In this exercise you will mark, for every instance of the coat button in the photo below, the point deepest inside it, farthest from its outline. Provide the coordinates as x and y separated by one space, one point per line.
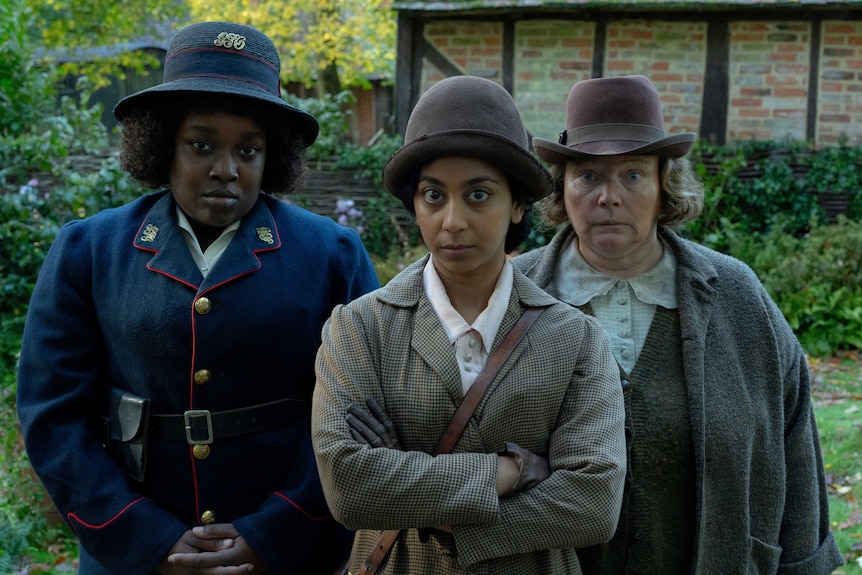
203 376
208 517
203 305
626 384
201 451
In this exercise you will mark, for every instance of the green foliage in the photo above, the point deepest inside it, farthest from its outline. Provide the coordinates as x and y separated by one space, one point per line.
355 39
331 112
67 30
390 265
380 229
540 233
755 186
815 280
763 204
837 170
30 217
24 505
368 161
25 93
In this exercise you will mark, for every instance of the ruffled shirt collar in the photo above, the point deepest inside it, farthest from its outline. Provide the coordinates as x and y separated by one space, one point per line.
578 282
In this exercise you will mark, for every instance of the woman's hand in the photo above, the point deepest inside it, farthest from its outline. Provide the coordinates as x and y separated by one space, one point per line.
216 549
520 469
371 426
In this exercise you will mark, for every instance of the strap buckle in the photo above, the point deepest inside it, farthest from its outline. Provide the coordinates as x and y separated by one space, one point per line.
198 422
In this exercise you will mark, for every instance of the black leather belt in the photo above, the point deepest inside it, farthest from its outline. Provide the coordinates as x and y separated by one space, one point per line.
200 426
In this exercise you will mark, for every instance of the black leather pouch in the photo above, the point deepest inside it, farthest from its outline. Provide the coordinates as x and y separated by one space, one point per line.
127 421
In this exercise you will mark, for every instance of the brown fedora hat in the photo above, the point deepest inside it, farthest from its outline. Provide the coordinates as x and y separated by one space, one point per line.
467 116
611 117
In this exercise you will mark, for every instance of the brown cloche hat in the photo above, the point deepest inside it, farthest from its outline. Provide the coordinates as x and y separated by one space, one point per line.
610 117
223 58
469 116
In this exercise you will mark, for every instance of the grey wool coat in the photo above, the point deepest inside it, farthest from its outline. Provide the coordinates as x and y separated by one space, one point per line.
760 487
558 395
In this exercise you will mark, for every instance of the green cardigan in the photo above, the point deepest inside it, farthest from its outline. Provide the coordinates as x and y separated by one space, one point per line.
760 488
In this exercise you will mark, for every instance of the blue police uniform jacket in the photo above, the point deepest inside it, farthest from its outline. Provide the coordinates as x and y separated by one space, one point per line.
120 303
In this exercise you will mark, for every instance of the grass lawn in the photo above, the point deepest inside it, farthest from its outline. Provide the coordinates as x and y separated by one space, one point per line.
837 396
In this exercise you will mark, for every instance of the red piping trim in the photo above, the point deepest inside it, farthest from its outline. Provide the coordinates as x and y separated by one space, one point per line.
303 511
109 521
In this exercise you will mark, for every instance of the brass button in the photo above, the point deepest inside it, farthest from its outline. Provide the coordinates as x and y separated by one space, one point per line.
201 451
203 305
207 517
203 376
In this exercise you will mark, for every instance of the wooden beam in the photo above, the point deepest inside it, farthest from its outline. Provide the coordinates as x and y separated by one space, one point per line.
813 74
713 111
407 62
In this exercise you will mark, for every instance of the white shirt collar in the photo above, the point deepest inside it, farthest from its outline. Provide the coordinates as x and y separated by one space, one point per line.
206 260
488 322
578 282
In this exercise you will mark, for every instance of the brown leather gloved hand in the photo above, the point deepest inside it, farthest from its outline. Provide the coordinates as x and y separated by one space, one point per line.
533 468
371 426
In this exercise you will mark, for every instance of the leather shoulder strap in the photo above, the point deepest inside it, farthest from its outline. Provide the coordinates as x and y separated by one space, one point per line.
492 367
459 421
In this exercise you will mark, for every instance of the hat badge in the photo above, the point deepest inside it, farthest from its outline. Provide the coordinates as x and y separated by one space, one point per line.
230 40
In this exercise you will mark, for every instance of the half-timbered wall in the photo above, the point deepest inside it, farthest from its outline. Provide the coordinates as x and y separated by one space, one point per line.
770 75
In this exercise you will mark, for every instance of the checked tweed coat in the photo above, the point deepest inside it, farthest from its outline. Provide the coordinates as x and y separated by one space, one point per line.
558 395
760 489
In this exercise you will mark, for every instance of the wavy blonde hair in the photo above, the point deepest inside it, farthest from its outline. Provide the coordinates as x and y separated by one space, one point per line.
681 194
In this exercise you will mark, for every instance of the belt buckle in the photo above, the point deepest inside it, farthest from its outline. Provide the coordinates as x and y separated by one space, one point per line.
194 414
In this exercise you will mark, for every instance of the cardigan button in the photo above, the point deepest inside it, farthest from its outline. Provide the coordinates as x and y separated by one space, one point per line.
203 376
203 305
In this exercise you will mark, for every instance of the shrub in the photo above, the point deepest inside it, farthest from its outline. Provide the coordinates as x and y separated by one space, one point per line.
815 280
757 185
30 218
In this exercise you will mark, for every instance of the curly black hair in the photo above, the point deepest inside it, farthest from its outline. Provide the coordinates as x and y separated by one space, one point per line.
147 145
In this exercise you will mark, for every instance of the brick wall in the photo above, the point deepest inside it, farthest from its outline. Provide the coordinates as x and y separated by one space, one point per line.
769 65
550 57
840 82
474 47
672 55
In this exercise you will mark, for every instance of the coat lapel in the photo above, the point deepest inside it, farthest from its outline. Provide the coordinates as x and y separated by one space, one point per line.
524 294
159 233
257 233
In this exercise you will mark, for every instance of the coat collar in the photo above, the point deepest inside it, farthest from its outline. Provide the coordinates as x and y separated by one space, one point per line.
429 339
693 267
160 233
408 290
